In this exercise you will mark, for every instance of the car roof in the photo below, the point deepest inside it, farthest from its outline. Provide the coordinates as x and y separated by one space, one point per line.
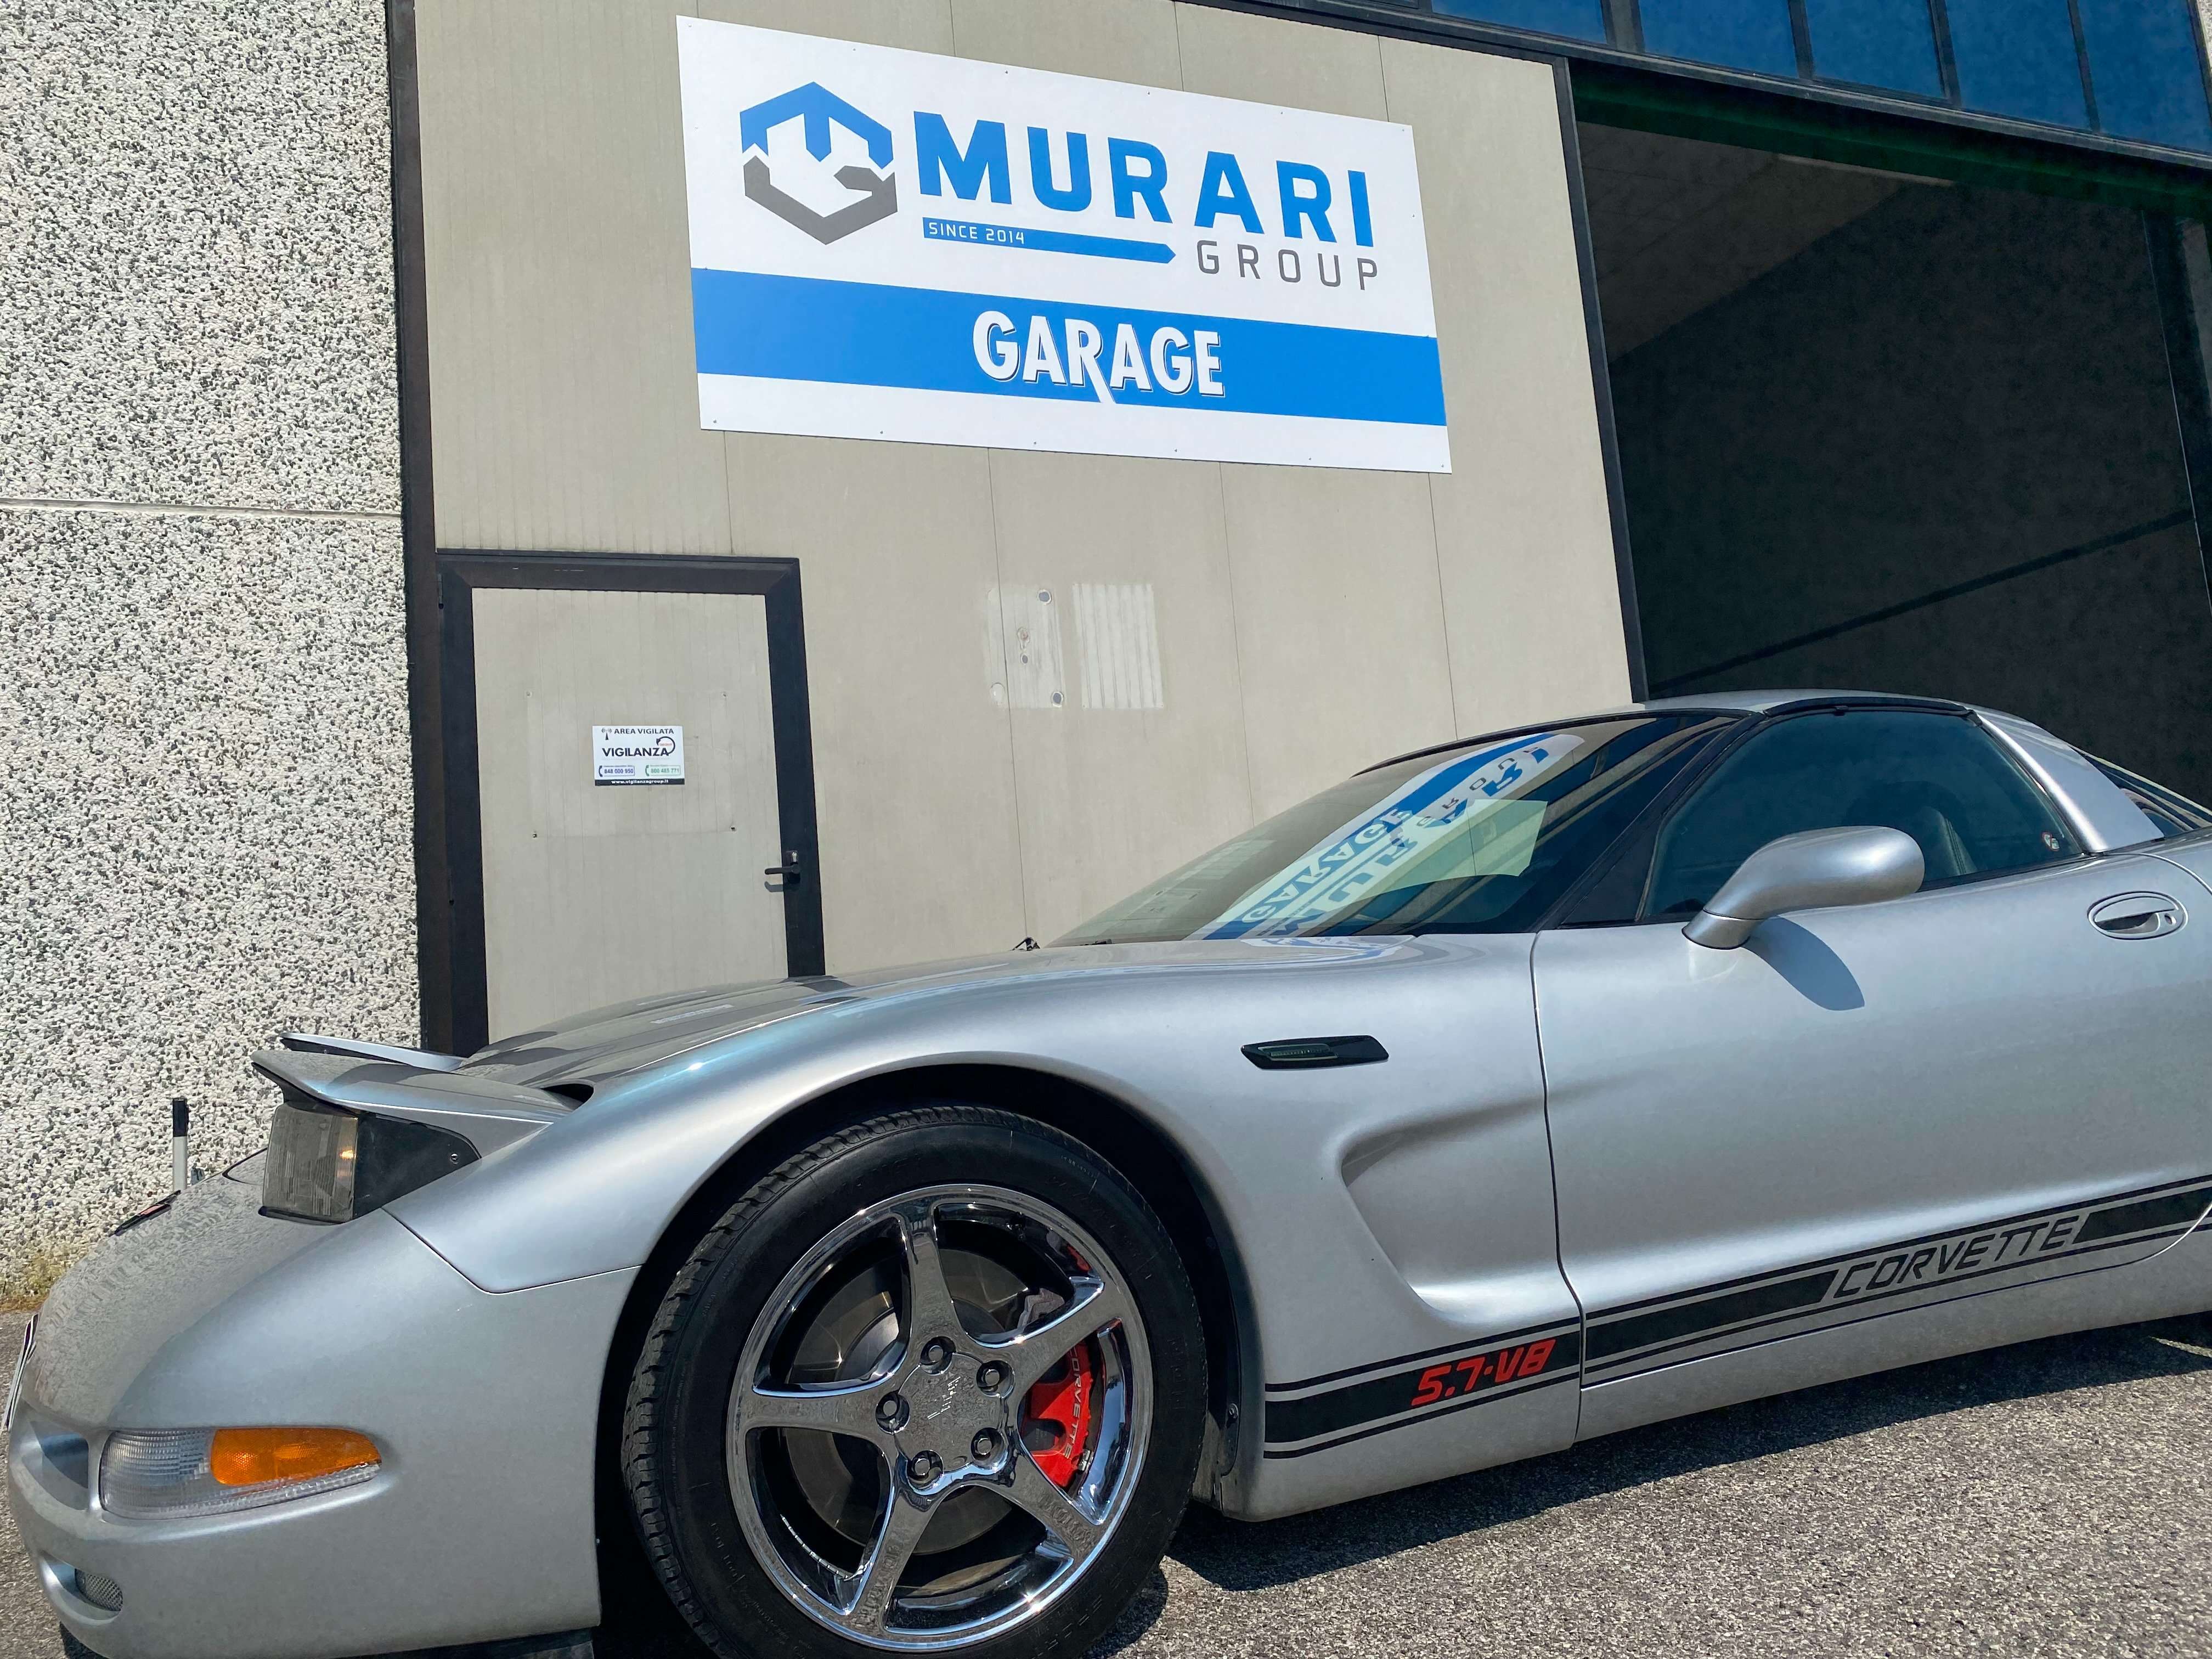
1708 702
1766 702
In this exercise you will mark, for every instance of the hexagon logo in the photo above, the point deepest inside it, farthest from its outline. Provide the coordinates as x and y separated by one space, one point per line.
819 108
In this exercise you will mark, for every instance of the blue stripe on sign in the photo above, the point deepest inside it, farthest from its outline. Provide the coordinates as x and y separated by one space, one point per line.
800 328
1046 241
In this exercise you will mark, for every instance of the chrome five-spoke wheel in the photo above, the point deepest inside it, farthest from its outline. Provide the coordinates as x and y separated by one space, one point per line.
939 1416
935 1385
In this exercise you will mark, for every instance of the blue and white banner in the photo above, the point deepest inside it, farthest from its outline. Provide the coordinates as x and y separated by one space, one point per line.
1390 844
893 245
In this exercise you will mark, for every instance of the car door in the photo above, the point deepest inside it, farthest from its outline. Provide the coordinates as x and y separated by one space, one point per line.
1865 1111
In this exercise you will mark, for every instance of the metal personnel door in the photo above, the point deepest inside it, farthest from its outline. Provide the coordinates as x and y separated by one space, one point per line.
642 798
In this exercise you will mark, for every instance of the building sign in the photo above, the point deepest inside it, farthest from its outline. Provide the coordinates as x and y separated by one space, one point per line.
637 754
888 243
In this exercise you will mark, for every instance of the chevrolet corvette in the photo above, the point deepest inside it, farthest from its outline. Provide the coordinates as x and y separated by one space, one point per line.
1508 1094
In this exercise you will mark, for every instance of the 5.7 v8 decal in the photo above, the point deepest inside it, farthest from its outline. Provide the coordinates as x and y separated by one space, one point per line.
1465 1376
1330 1411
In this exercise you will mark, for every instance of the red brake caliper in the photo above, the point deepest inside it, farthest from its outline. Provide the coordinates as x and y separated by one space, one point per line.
1061 1405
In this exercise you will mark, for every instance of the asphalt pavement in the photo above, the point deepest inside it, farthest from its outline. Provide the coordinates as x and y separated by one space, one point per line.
2049 1499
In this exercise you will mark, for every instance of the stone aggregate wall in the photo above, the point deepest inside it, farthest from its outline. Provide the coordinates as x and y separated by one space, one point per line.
205 799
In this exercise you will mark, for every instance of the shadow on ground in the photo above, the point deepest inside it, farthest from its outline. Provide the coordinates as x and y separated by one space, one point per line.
1239 1557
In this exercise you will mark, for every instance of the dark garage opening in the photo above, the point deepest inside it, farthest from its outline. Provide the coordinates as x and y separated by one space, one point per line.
1894 434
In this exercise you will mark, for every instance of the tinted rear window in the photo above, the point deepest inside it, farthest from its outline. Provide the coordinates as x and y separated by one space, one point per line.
2175 815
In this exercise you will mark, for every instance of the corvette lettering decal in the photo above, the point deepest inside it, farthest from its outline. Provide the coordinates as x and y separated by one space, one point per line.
1322 1414
1939 1267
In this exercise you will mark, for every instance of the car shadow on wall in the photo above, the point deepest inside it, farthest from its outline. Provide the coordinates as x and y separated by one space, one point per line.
1237 1557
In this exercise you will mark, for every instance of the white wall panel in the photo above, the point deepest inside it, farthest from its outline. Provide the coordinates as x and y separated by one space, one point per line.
913 768
1235 54
563 411
1523 530
1338 624
1300 623
1111 797
1132 40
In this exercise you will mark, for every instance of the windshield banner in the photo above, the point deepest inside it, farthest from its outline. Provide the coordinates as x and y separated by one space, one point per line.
1351 863
889 244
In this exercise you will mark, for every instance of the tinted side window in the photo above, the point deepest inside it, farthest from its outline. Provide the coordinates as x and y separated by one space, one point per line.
1938 778
2173 816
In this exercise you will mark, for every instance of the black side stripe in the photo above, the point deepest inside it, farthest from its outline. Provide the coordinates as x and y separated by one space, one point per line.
2196 1183
1783 1297
1484 1375
1693 1317
1641 1360
1425 1354
1396 1394
2177 1210
1567 1375
1761 1339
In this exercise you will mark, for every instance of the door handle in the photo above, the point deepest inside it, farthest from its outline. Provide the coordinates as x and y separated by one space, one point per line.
788 869
2138 915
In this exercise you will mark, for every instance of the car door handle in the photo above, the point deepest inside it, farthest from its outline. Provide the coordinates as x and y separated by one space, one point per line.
2138 915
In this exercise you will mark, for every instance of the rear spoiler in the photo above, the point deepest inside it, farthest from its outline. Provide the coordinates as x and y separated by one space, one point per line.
308 1042
488 1113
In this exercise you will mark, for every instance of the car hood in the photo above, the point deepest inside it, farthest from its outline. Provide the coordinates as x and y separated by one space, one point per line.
633 1036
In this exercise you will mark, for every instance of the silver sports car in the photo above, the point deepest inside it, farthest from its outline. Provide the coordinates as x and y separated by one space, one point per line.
1508 1094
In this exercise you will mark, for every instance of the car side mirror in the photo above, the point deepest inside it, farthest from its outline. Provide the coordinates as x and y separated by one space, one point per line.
1809 872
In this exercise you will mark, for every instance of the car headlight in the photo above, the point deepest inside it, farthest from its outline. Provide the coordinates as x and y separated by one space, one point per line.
328 1164
172 1474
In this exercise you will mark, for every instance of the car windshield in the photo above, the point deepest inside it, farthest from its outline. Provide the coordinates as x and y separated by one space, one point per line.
1481 839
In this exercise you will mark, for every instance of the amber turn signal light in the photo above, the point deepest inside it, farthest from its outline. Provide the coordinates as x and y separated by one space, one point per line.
252 1457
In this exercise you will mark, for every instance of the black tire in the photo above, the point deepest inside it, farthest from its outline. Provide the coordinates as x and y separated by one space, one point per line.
674 1453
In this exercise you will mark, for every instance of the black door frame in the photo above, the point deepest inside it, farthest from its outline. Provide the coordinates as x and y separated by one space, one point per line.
467 1016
